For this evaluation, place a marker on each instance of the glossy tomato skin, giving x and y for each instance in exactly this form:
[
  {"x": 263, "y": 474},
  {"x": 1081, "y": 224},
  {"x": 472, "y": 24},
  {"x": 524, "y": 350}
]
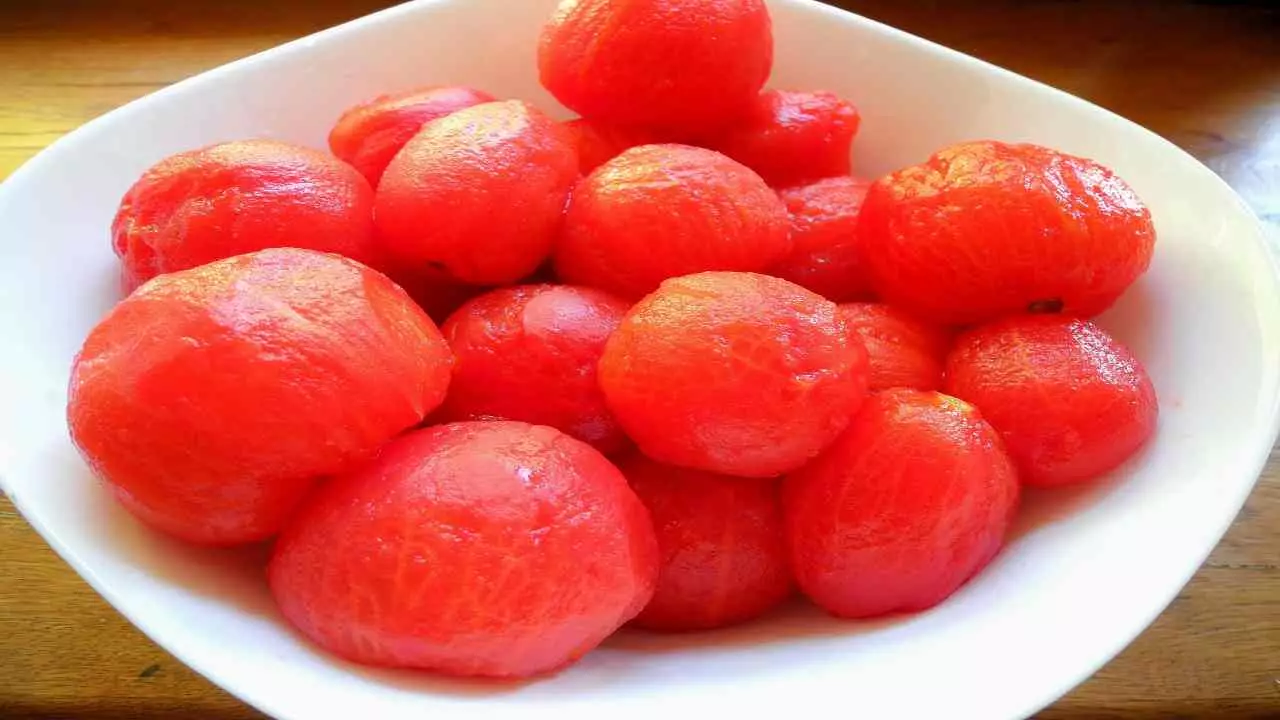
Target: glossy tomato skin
[
  {"x": 793, "y": 137},
  {"x": 1070, "y": 401},
  {"x": 986, "y": 229},
  {"x": 368, "y": 135},
  {"x": 436, "y": 292},
  {"x": 678, "y": 65},
  {"x": 211, "y": 400},
  {"x": 908, "y": 504},
  {"x": 598, "y": 143},
  {"x": 724, "y": 559},
  {"x": 530, "y": 353},
  {"x": 237, "y": 197},
  {"x": 478, "y": 194},
  {"x": 733, "y": 373},
  {"x": 827, "y": 255},
  {"x": 661, "y": 211},
  {"x": 497, "y": 549},
  {"x": 903, "y": 351}
]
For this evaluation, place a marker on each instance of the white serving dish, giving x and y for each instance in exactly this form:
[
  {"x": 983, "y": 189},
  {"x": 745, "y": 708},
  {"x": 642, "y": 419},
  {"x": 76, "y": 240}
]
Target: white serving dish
[{"x": 1084, "y": 574}]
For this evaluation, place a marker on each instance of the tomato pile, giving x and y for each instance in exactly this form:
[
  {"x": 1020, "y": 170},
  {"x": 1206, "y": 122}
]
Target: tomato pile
[{"x": 495, "y": 385}]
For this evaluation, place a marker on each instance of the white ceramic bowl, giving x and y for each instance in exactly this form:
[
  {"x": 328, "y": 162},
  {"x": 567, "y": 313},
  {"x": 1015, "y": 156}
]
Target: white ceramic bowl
[{"x": 1085, "y": 571}]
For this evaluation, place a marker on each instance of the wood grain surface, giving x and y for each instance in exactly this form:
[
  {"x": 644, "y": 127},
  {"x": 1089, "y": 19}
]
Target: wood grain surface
[{"x": 1204, "y": 75}]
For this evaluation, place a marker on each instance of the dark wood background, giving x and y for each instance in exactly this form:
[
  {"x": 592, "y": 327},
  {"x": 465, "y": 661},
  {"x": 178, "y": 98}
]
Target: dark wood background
[{"x": 1205, "y": 75}]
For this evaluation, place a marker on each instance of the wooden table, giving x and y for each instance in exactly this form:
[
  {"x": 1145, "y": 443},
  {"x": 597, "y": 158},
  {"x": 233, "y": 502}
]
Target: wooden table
[{"x": 1205, "y": 75}]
